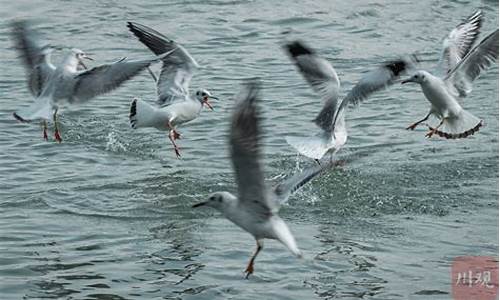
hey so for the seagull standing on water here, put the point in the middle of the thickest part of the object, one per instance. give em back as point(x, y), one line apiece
point(324, 80)
point(255, 209)
point(53, 85)
point(462, 66)
point(175, 105)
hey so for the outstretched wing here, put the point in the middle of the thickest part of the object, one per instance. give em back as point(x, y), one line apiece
point(470, 67)
point(373, 81)
point(105, 78)
point(245, 153)
point(34, 55)
point(284, 189)
point(322, 77)
point(460, 40)
point(177, 69)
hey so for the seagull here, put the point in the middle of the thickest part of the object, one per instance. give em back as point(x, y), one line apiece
point(174, 105)
point(462, 64)
point(69, 82)
point(324, 80)
point(255, 208)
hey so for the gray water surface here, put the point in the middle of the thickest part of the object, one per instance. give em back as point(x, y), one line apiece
point(107, 213)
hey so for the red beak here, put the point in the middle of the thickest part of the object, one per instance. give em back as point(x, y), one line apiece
point(205, 101)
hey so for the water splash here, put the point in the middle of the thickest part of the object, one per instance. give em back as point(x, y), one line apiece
point(114, 144)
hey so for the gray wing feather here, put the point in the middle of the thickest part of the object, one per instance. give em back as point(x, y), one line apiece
point(325, 117)
point(322, 77)
point(374, 81)
point(33, 55)
point(460, 40)
point(470, 67)
point(105, 78)
point(283, 190)
point(245, 153)
point(177, 69)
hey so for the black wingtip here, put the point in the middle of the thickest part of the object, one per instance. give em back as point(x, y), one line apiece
point(132, 26)
point(298, 48)
point(133, 112)
point(397, 66)
point(250, 92)
point(19, 118)
point(155, 41)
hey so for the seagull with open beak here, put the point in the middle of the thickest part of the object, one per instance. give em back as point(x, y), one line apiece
point(175, 105)
point(79, 55)
point(204, 96)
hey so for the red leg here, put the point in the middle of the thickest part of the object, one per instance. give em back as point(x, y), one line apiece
point(434, 130)
point(249, 270)
point(414, 125)
point(172, 139)
point(175, 134)
point(57, 136)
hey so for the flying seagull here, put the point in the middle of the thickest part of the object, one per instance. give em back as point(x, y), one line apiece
point(65, 83)
point(255, 208)
point(174, 105)
point(324, 80)
point(462, 65)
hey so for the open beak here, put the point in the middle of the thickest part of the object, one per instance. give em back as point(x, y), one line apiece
point(199, 204)
point(86, 56)
point(81, 62)
point(205, 101)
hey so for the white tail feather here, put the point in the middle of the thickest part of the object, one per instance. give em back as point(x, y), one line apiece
point(284, 235)
point(460, 126)
point(142, 114)
point(313, 147)
point(41, 109)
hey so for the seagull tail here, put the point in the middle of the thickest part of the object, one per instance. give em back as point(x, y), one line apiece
point(313, 147)
point(284, 235)
point(141, 114)
point(461, 126)
point(41, 109)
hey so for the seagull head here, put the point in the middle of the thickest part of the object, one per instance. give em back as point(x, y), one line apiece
point(203, 96)
point(218, 200)
point(80, 56)
point(418, 77)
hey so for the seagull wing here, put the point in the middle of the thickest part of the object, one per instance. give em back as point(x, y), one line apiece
point(460, 40)
point(245, 153)
point(322, 77)
point(470, 67)
point(105, 78)
point(284, 189)
point(177, 69)
point(373, 81)
point(33, 54)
